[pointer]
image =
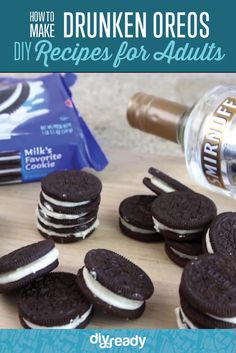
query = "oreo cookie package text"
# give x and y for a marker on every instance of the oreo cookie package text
(41, 130)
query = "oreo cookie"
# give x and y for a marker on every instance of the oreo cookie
(182, 252)
(54, 301)
(64, 219)
(208, 292)
(58, 207)
(183, 215)
(114, 284)
(68, 206)
(65, 235)
(221, 236)
(12, 98)
(136, 218)
(160, 183)
(26, 264)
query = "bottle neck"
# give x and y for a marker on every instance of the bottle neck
(156, 116)
(181, 127)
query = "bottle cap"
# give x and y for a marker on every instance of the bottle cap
(155, 115)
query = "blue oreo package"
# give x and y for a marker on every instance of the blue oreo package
(41, 130)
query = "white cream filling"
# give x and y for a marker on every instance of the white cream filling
(64, 203)
(81, 234)
(32, 267)
(10, 182)
(159, 226)
(54, 225)
(185, 323)
(57, 215)
(208, 243)
(231, 320)
(160, 184)
(72, 324)
(108, 296)
(182, 255)
(48, 206)
(181, 325)
(136, 229)
(9, 171)
(10, 158)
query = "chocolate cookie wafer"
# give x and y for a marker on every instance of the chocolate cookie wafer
(54, 301)
(75, 187)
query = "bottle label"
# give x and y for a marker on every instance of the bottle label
(212, 142)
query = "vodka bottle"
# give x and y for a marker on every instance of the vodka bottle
(206, 132)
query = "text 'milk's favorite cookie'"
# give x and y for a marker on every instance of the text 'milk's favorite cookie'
(68, 206)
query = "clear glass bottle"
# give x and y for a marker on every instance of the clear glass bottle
(206, 132)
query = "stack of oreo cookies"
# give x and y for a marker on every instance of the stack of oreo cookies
(180, 215)
(68, 206)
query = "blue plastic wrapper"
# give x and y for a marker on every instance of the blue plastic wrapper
(41, 130)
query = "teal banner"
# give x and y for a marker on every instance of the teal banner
(118, 36)
(145, 341)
